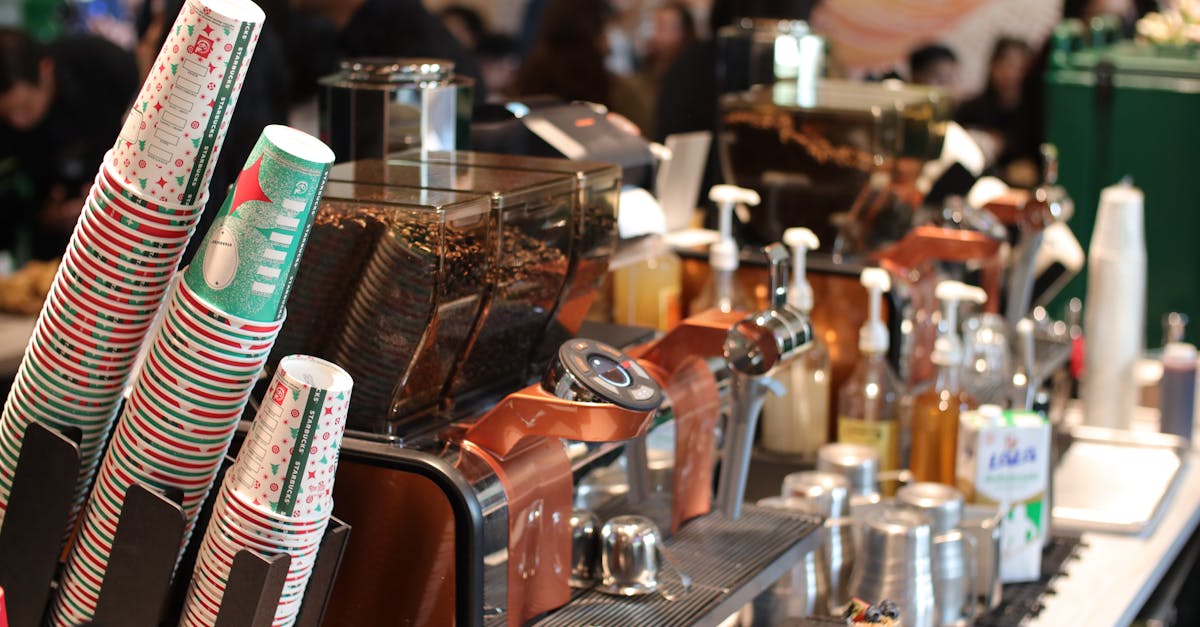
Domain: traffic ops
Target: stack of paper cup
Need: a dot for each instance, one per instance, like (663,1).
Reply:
(170,141)
(1115,311)
(204,357)
(277,497)
(174,431)
(114,275)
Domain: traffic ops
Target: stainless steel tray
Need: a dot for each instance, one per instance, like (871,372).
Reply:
(1115,481)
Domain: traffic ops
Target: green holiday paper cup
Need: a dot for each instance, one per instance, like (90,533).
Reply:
(295,437)
(247,261)
(174,132)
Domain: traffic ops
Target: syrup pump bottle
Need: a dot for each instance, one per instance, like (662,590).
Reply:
(869,400)
(721,291)
(936,411)
(797,421)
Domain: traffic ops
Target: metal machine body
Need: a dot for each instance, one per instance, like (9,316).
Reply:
(491,543)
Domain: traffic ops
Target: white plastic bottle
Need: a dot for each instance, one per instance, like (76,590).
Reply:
(721,291)
(797,422)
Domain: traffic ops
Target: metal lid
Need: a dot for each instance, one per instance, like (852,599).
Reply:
(943,504)
(825,492)
(397,70)
(897,521)
(857,463)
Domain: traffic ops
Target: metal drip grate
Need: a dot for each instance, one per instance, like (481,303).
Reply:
(729,562)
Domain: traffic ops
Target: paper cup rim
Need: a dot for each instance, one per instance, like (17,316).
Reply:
(117,183)
(200,367)
(232,321)
(192,379)
(99,235)
(178,303)
(314,372)
(144,228)
(133,284)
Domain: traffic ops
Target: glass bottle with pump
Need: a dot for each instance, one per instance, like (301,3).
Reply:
(721,291)
(869,399)
(797,421)
(936,411)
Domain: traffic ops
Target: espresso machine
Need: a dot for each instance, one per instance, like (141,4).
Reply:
(426,265)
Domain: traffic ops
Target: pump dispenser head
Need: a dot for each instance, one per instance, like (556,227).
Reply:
(800,241)
(947,349)
(723,254)
(873,336)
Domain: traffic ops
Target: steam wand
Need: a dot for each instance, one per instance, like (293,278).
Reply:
(753,348)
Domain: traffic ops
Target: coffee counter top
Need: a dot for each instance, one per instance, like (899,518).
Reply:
(1115,575)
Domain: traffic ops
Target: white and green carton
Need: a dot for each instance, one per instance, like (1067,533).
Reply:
(1003,460)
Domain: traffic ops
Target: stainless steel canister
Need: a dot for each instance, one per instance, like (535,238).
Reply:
(376,106)
(895,562)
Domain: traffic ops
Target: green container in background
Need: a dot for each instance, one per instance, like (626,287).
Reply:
(1131,109)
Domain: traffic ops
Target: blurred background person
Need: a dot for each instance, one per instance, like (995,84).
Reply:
(61,107)
(674,31)
(934,65)
(567,61)
(1001,118)
(464,23)
(499,61)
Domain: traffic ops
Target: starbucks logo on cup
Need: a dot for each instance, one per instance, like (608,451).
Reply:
(279,394)
(202,48)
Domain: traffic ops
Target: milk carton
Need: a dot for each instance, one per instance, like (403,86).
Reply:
(1003,460)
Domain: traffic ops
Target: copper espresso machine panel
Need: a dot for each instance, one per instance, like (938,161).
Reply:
(467,524)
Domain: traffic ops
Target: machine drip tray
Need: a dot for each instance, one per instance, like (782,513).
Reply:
(730,563)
